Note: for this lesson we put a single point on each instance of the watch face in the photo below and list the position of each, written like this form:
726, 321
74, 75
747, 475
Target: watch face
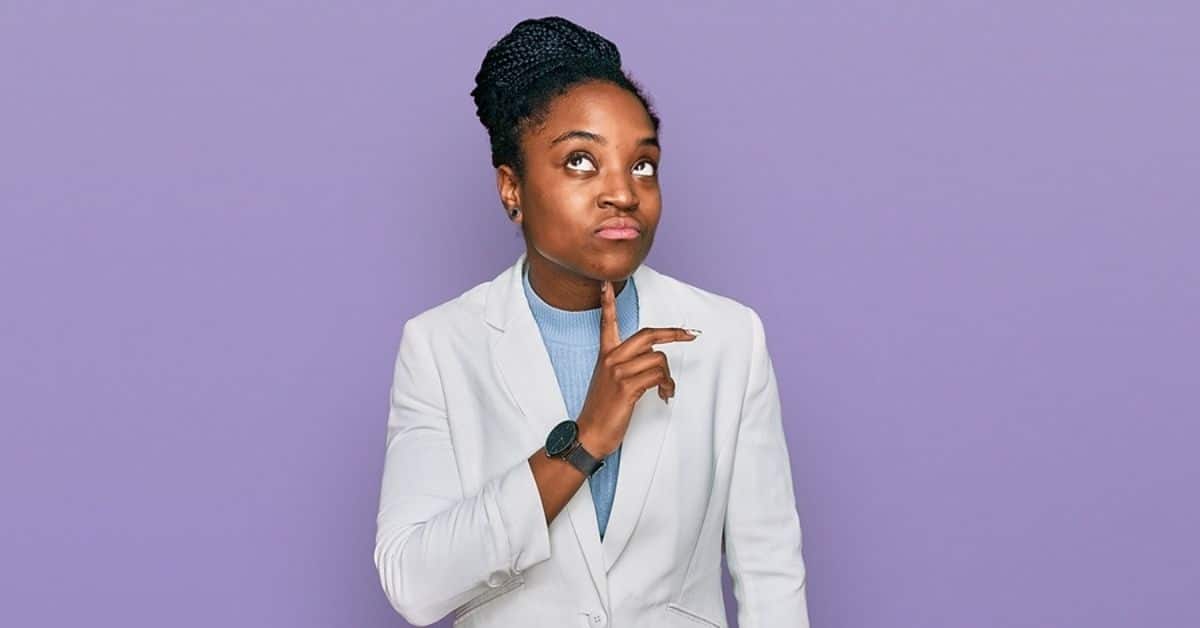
561, 437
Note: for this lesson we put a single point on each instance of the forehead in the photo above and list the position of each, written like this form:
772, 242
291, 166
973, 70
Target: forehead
597, 106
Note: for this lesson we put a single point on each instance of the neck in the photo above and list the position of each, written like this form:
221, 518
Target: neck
563, 288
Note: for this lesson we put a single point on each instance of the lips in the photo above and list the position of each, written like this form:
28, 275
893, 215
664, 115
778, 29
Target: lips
619, 223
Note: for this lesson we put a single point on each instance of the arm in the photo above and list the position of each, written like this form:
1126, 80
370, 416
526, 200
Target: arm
762, 528
436, 548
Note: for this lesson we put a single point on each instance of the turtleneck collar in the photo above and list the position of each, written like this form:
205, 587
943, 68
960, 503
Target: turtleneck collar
580, 328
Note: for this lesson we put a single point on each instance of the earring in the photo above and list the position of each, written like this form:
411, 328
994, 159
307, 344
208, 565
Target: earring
515, 211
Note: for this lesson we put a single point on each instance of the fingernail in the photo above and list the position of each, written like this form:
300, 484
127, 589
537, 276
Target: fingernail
694, 332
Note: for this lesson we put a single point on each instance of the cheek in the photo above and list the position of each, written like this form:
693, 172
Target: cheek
651, 206
566, 212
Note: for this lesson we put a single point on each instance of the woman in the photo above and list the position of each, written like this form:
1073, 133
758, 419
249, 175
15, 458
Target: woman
510, 398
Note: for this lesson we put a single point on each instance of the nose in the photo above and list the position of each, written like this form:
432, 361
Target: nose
619, 192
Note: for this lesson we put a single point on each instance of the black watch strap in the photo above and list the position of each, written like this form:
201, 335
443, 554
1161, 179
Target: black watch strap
582, 460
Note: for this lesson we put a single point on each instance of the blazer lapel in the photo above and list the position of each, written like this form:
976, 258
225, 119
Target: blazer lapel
648, 424
521, 356
526, 371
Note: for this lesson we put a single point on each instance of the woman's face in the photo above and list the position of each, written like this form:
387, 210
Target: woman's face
594, 160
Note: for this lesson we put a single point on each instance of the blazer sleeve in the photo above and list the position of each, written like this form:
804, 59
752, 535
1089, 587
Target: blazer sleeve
762, 528
436, 548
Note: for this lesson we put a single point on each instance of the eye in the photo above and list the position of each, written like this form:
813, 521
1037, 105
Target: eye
576, 158
646, 173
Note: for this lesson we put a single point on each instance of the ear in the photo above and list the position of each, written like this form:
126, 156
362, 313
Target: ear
509, 187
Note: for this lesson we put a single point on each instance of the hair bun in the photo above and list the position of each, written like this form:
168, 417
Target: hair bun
537, 47
530, 66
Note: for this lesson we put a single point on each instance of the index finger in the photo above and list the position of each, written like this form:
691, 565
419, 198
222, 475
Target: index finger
646, 337
610, 332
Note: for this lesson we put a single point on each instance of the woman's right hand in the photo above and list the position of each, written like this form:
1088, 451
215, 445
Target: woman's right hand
623, 372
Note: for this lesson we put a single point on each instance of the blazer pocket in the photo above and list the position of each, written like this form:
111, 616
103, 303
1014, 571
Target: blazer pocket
700, 620
487, 597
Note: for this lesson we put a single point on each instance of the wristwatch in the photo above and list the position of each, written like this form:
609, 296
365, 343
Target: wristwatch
563, 442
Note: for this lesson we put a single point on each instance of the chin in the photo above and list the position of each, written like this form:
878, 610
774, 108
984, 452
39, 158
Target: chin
598, 265
613, 268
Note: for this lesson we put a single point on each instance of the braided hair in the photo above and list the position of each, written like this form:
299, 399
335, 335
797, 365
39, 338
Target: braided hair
535, 62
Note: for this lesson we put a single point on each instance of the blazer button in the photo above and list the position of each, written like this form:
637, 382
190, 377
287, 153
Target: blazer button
497, 578
597, 618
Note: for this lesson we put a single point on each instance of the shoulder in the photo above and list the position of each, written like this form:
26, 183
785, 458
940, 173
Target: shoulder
720, 317
462, 312
730, 325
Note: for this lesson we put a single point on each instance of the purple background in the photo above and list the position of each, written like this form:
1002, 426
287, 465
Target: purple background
971, 230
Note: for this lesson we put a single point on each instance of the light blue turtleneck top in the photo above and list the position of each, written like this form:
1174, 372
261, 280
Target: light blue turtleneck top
573, 341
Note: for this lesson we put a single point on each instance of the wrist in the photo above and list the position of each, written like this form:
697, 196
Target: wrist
592, 441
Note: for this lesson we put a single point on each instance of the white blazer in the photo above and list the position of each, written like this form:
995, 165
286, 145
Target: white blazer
461, 526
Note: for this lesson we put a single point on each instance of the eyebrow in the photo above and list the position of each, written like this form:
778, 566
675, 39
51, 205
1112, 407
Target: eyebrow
599, 139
